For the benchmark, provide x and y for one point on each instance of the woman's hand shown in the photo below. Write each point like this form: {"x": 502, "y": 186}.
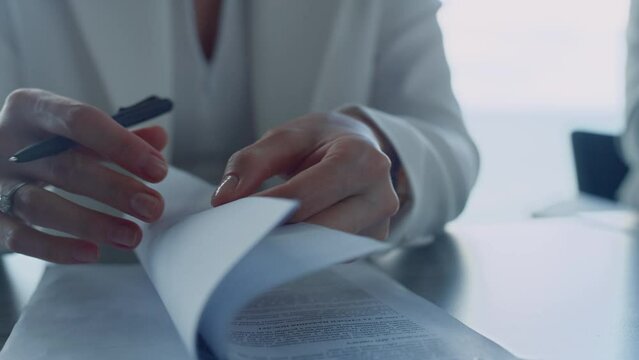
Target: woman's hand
{"x": 332, "y": 163}
{"x": 29, "y": 116}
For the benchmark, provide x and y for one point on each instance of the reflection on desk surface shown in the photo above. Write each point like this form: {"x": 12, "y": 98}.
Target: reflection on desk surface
{"x": 433, "y": 271}
{"x": 544, "y": 289}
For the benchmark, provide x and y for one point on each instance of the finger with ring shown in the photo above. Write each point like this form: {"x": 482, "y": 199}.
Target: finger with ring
{"x": 6, "y": 199}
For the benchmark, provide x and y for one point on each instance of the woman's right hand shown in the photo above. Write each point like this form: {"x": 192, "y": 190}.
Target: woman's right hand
{"x": 29, "y": 116}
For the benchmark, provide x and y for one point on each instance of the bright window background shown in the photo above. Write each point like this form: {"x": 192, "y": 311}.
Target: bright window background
{"x": 527, "y": 73}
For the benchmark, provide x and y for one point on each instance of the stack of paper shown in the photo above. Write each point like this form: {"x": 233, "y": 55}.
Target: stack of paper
{"x": 228, "y": 283}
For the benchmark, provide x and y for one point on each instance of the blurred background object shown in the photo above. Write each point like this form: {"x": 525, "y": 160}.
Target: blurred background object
{"x": 527, "y": 74}
{"x": 600, "y": 167}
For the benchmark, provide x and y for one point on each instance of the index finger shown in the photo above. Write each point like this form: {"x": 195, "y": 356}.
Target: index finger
{"x": 317, "y": 188}
{"x": 277, "y": 152}
{"x": 96, "y": 130}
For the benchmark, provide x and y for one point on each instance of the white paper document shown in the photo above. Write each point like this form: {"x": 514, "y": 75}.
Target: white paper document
{"x": 101, "y": 312}
{"x": 352, "y": 311}
{"x": 234, "y": 283}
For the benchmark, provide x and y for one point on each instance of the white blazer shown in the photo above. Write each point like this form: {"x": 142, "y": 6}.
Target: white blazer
{"x": 629, "y": 191}
{"x": 383, "y": 57}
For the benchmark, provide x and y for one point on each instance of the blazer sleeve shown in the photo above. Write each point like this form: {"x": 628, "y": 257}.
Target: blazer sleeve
{"x": 9, "y": 58}
{"x": 629, "y": 190}
{"x": 10, "y": 71}
{"x": 413, "y": 105}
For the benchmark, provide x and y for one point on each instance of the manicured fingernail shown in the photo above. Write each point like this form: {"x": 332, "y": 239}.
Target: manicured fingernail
{"x": 125, "y": 236}
{"x": 155, "y": 167}
{"x": 227, "y": 187}
{"x": 145, "y": 205}
{"x": 85, "y": 254}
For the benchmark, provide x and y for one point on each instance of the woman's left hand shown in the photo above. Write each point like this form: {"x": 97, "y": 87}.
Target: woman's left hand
{"x": 333, "y": 165}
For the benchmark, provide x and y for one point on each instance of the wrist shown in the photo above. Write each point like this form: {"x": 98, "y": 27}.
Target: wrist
{"x": 397, "y": 173}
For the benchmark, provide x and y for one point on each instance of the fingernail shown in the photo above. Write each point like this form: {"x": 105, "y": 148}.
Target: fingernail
{"x": 125, "y": 236}
{"x": 227, "y": 187}
{"x": 85, "y": 254}
{"x": 145, "y": 205}
{"x": 155, "y": 167}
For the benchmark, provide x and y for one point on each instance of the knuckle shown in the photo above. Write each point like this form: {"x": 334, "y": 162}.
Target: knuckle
{"x": 13, "y": 237}
{"x": 340, "y": 159}
{"x": 391, "y": 204}
{"x": 19, "y": 96}
{"x": 364, "y": 155}
{"x": 85, "y": 225}
{"x": 275, "y": 133}
{"x": 21, "y": 99}
{"x": 353, "y": 144}
{"x": 63, "y": 168}
{"x": 96, "y": 231}
{"x": 284, "y": 134}
{"x": 123, "y": 190}
{"x": 58, "y": 171}
{"x": 348, "y": 151}
{"x": 123, "y": 148}
{"x": 117, "y": 191}
{"x": 27, "y": 203}
{"x": 26, "y": 196}
{"x": 244, "y": 158}
{"x": 75, "y": 117}
{"x": 378, "y": 163}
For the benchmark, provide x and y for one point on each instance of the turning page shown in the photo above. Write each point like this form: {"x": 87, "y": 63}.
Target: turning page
{"x": 187, "y": 253}
{"x": 206, "y": 263}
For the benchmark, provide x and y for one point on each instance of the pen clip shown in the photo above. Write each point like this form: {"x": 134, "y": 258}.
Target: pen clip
{"x": 135, "y": 106}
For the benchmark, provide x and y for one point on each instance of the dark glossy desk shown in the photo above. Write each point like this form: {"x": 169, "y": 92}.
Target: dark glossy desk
{"x": 544, "y": 289}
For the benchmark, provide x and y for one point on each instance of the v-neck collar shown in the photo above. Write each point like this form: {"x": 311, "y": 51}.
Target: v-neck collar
{"x": 193, "y": 37}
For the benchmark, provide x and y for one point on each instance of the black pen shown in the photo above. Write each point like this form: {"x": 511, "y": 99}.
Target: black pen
{"x": 146, "y": 109}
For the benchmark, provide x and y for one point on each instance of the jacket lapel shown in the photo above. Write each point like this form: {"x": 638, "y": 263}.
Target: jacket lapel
{"x": 140, "y": 63}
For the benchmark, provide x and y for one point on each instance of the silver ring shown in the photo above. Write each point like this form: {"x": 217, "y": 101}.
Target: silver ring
{"x": 6, "y": 200}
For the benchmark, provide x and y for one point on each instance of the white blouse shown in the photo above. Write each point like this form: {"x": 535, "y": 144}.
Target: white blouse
{"x": 212, "y": 100}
